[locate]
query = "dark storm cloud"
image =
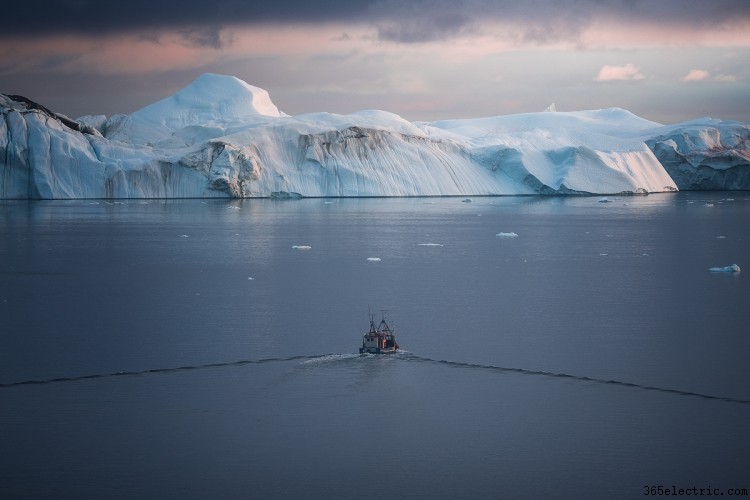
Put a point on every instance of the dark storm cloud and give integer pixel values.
(414, 21)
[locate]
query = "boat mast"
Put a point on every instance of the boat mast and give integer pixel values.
(387, 329)
(372, 321)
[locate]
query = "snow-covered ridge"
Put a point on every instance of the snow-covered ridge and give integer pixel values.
(221, 137)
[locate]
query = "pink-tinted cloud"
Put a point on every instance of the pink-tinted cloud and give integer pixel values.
(696, 75)
(650, 34)
(699, 75)
(619, 73)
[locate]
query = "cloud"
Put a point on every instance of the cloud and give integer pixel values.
(696, 75)
(395, 20)
(725, 78)
(426, 28)
(699, 75)
(619, 73)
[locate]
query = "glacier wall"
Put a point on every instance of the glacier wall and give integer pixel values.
(220, 137)
(705, 154)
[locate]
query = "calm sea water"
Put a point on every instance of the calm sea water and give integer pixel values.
(187, 349)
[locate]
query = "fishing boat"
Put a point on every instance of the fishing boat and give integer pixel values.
(380, 339)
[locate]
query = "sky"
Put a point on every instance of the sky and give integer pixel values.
(664, 60)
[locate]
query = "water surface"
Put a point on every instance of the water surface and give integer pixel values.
(589, 356)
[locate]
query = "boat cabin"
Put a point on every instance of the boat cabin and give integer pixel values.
(379, 340)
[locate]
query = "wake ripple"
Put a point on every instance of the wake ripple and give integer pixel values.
(580, 378)
(404, 355)
(162, 370)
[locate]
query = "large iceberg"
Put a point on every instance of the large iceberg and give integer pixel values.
(220, 137)
(704, 154)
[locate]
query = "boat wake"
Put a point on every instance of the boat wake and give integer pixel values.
(321, 359)
(169, 370)
(580, 378)
(330, 358)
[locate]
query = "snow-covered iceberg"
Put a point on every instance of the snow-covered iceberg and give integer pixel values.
(220, 137)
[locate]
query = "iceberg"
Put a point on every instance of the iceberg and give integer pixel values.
(734, 268)
(704, 154)
(221, 137)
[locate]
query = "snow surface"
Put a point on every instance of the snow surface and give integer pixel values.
(220, 137)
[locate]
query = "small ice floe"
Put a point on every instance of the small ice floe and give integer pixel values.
(184, 236)
(708, 205)
(734, 268)
(302, 247)
(373, 259)
(430, 244)
(603, 254)
(721, 237)
(466, 200)
(605, 200)
(250, 278)
(507, 235)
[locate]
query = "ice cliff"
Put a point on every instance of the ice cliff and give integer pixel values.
(704, 154)
(220, 137)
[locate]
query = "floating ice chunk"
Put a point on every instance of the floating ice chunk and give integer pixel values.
(721, 237)
(184, 236)
(430, 244)
(250, 278)
(605, 200)
(373, 259)
(507, 235)
(285, 195)
(302, 247)
(708, 205)
(734, 268)
(466, 200)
